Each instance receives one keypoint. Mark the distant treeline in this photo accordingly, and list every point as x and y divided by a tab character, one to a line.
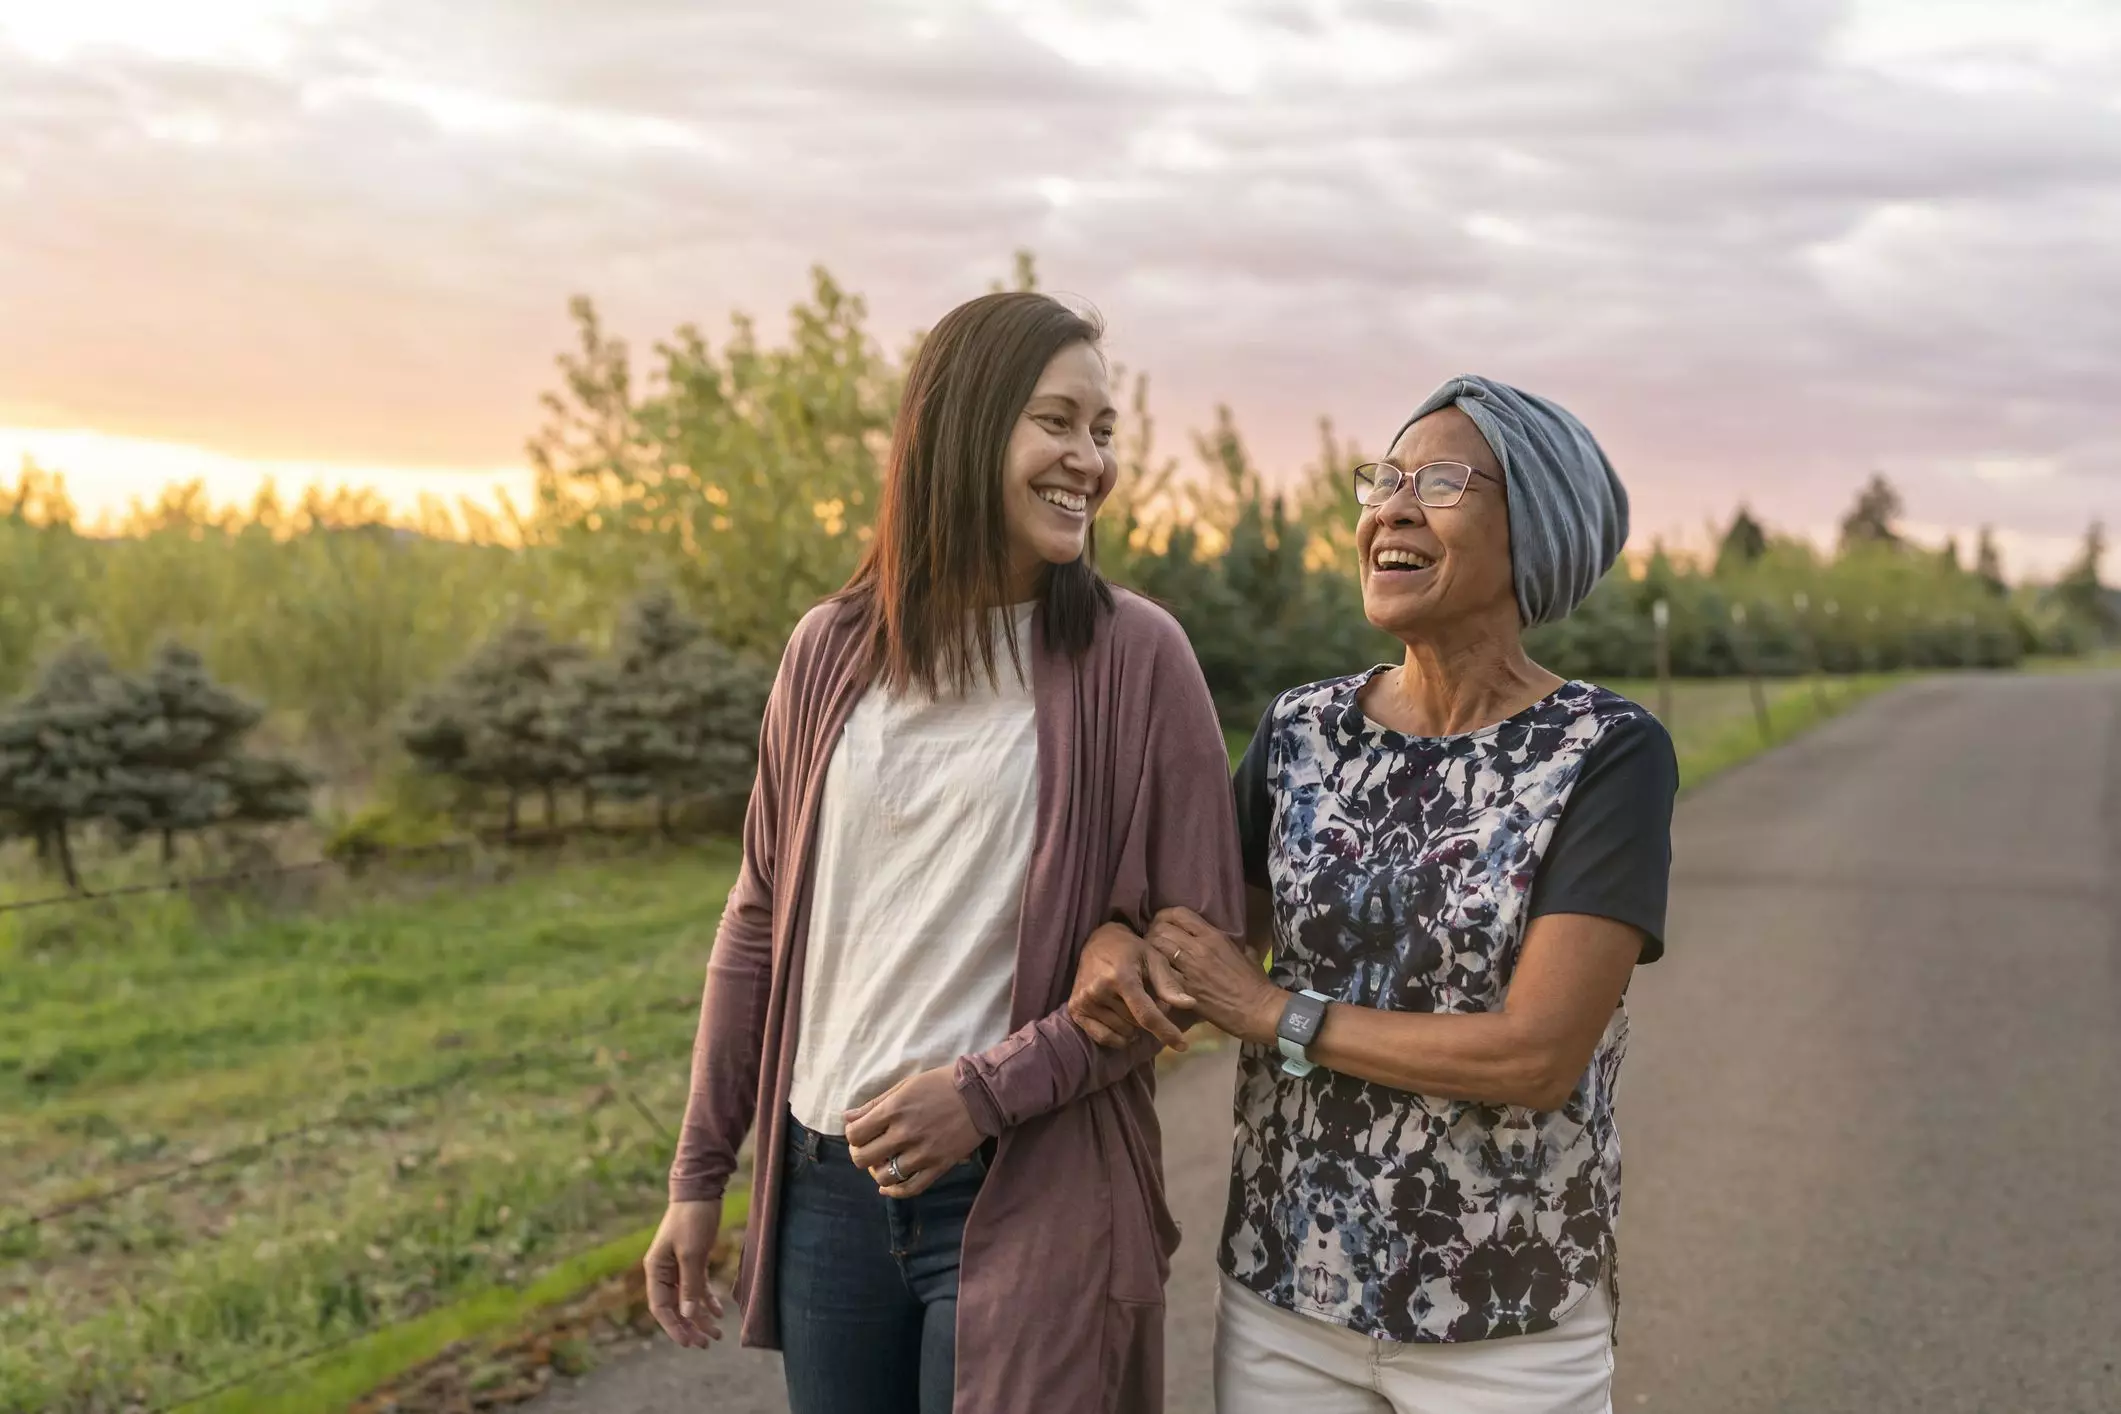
741	476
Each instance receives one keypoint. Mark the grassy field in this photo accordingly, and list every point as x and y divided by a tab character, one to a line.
490	1069
1714	724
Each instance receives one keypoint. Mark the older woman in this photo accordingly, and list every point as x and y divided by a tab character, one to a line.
1457	863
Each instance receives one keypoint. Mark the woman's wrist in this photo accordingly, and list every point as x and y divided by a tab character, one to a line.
1264	1023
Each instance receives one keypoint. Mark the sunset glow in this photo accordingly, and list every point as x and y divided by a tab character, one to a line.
1764	250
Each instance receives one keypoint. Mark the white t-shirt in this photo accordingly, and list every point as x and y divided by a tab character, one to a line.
924	838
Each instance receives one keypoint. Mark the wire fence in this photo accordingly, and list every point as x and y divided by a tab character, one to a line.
513	1062
351	861
361	1110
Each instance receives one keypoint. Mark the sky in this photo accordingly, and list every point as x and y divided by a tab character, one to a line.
1763	249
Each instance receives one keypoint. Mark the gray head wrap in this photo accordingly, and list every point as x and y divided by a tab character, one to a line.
1568	511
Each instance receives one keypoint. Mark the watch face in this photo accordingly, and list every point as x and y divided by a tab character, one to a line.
1300	1024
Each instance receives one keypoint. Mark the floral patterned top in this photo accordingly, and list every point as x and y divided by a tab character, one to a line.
1404	871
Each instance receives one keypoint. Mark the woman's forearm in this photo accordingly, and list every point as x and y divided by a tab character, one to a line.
1532	1050
728	1052
1477	1057
1491	1057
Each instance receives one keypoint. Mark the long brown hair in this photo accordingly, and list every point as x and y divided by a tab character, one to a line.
938	562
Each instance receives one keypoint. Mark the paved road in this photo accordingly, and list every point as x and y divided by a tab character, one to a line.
1873	1110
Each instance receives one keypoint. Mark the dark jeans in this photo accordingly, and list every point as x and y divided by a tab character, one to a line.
868	1284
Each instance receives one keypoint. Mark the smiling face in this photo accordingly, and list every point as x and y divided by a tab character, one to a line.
1424	566
1059	466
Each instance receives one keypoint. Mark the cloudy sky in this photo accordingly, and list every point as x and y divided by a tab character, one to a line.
1763	248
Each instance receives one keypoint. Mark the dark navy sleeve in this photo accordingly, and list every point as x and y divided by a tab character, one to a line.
1611	854
1255	803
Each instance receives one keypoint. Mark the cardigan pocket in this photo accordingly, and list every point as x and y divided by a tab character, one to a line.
1133	1365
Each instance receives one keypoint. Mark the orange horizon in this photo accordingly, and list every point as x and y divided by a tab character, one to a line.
125	479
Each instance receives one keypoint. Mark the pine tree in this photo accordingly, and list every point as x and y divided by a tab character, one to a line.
263	790
1988	563
58	751
1743	544
2079	591
181	728
501	721
673	716
1873	520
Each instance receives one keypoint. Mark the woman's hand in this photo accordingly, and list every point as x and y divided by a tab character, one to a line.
679	1298
1227	985
921	1122
1123	988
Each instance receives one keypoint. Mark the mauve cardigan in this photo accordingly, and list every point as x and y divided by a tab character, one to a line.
1060	1304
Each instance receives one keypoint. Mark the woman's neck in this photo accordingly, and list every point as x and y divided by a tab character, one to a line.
1457	683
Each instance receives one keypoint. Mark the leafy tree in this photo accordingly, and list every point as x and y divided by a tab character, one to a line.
1023	274
1743	544
501	721
45	570
1873	520
1139	508
747	477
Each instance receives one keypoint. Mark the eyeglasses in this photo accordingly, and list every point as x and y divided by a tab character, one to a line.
1437	485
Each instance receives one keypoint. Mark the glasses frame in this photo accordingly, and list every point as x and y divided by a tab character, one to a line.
1388	477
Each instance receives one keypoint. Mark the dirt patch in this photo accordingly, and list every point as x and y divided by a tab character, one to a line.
512	1367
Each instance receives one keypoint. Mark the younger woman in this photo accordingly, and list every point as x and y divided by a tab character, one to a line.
974	756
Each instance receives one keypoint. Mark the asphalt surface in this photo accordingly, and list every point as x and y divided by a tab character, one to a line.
1872	1112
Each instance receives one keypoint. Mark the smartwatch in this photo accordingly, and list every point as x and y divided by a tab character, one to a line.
1298	1029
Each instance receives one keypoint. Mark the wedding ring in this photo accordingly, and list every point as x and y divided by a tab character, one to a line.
898	1175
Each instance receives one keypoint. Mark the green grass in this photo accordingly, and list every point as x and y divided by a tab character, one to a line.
478	1058
342	1376
473	1054
1713	723
335	1380
2104	660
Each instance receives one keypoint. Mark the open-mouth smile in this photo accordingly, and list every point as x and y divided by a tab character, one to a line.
1073	502
1395	560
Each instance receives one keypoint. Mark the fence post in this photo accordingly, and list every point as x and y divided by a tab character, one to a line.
1813	659
1833	615
1751	668
1661	616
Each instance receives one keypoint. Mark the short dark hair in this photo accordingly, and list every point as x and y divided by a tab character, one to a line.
938	559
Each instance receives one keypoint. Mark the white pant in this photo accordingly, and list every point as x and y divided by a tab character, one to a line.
1271	1361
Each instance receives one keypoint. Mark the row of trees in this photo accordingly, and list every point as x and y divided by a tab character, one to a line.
158	755
742	476
670	715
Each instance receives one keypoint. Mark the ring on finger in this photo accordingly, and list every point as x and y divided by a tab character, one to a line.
898	1175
